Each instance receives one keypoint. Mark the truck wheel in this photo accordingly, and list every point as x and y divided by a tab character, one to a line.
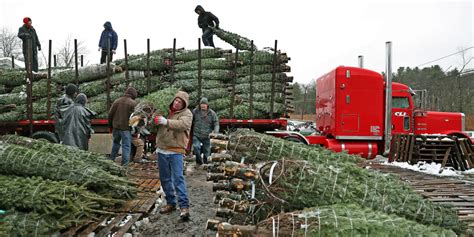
44	135
293	139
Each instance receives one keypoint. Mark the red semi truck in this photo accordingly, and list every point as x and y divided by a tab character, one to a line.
353	106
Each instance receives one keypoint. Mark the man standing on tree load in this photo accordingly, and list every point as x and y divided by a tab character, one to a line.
28	33
206	20
62	105
171	141
205	122
119	115
107	34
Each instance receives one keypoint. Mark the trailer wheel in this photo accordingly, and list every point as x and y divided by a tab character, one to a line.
44	135
293	139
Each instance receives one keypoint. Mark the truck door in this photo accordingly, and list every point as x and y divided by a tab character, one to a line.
402	117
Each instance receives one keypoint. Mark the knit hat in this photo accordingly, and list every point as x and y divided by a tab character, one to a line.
26	20
204	101
131	92
71	89
81	99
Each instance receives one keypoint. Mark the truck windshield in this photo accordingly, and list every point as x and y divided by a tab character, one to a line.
400	102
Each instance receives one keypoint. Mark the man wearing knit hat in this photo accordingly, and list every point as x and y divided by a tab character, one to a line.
205	122
119	115
28	34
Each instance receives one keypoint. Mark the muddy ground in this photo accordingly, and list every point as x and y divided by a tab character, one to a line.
202	208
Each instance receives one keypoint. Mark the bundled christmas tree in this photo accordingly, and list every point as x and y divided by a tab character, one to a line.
237	41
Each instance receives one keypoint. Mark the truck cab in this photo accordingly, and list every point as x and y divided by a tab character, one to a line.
351	109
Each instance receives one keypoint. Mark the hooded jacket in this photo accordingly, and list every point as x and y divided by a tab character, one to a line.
107	34
122	108
77	124
174	136
206	19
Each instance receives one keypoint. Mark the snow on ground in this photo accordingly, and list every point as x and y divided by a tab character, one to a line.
430	168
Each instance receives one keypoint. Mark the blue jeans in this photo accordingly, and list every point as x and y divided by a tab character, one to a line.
204	149
172	179
207	35
126	137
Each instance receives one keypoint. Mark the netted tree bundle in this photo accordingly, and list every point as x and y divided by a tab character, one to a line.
68	152
261	87
261	97
15	77
294	184
225	103
210	94
161	99
39	107
88	73
141	85
11	116
259	57
32	224
190	55
119	78
258	147
98	106
93	88
157	64
58	199
40	89
22	161
103	96
160	53
345	220
261	69
242	112
190	85
206	64
3	89
13	98
218	74
266	77
233	39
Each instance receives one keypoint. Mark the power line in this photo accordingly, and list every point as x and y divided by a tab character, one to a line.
445	56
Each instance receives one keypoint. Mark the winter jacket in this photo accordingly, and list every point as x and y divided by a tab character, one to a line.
77	126
62	105
107	34
204	122
174	136
206	19
25	33
121	109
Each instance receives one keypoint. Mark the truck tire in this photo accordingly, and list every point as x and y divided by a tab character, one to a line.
45	135
293	139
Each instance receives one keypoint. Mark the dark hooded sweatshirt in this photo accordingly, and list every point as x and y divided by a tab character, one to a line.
122	108
107	34
206	19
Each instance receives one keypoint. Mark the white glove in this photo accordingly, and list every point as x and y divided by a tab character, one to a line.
162	120
113	51
99	49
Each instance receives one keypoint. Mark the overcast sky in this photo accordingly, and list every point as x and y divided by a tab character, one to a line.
317	35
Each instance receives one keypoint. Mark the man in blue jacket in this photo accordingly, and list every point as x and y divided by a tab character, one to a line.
107	34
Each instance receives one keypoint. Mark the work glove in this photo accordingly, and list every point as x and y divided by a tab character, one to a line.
113	51
99	49
217	26
39	48
160	120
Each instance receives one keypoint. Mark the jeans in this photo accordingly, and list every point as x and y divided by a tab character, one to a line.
207	34
126	137
172	179
204	149
103	57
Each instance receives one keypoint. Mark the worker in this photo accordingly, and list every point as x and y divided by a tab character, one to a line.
28	33
119	115
108	36
62	105
206	20
205	122
171	141
138	122
77	124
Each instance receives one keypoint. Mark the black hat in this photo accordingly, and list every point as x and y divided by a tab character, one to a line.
71	89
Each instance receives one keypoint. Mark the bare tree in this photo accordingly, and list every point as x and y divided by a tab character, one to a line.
10	44
66	52
466	59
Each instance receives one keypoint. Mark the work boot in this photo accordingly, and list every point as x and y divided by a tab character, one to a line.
167	209
184	215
